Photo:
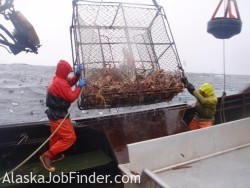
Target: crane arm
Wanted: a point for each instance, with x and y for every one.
(24, 37)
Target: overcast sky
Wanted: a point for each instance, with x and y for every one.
(199, 51)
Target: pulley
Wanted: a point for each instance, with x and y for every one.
(227, 26)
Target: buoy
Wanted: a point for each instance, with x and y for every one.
(224, 28)
(227, 26)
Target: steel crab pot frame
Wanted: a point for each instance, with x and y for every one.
(128, 52)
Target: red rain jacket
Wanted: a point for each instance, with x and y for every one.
(60, 95)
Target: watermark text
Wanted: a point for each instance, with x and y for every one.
(71, 177)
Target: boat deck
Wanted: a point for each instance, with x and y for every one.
(72, 163)
(213, 157)
(231, 169)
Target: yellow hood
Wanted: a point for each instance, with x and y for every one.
(207, 89)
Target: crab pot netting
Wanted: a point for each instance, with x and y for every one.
(128, 54)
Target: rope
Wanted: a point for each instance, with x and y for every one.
(222, 106)
(224, 67)
(28, 158)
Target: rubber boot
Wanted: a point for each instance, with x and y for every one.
(46, 163)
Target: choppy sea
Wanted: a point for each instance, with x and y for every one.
(23, 91)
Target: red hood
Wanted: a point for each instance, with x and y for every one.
(63, 69)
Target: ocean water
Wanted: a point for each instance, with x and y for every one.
(23, 91)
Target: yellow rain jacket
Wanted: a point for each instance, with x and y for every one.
(206, 103)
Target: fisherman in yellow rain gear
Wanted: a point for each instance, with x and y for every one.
(205, 106)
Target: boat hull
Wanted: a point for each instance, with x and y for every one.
(111, 134)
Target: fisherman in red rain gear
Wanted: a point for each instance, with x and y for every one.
(58, 100)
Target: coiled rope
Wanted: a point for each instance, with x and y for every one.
(45, 142)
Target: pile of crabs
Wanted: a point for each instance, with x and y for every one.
(114, 88)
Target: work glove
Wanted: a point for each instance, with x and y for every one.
(82, 83)
(79, 69)
(184, 81)
(190, 88)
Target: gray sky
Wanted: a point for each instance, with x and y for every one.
(199, 51)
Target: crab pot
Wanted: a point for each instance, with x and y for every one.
(224, 28)
(128, 53)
